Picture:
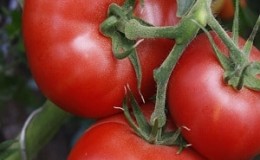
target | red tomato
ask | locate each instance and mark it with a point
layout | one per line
(72, 62)
(224, 124)
(114, 139)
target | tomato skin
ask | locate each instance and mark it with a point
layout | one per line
(72, 62)
(224, 123)
(113, 138)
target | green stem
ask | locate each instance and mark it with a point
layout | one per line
(235, 28)
(183, 32)
(43, 127)
(235, 53)
(162, 76)
(38, 130)
(249, 43)
(186, 31)
(135, 30)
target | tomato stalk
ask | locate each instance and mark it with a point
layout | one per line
(151, 133)
(124, 29)
(36, 132)
(122, 47)
(183, 33)
(239, 71)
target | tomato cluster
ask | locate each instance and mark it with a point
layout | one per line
(215, 113)
(72, 62)
(113, 138)
(73, 65)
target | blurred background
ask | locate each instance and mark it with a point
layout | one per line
(19, 95)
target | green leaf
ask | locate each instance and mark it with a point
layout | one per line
(4, 145)
(42, 127)
(184, 6)
(9, 149)
(8, 153)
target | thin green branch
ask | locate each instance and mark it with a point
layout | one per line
(249, 43)
(235, 29)
(162, 76)
(235, 52)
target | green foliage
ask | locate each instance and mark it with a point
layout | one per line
(16, 83)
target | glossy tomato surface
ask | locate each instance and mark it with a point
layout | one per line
(72, 62)
(223, 123)
(114, 139)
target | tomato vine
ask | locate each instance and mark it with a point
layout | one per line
(127, 31)
(183, 33)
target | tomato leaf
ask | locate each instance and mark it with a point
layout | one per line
(7, 154)
(37, 131)
(8, 149)
(4, 145)
(184, 6)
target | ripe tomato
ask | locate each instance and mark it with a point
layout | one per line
(113, 138)
(72, 62)
(224, 124)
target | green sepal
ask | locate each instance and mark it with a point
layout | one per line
(151, 133)
(139, 116)
(223, 60)
(249, 43)
(122, 47)
(250, 78)
(155, 134)
(172, 138)
(138, 70)
(129, 119)
(252, 82)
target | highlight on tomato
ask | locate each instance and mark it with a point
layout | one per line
(222, 123)
(72, 61)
